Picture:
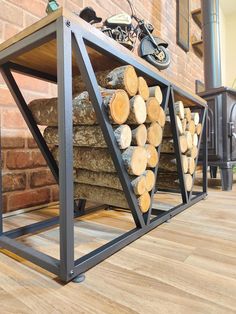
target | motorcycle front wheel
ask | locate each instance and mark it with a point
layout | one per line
(160, 59)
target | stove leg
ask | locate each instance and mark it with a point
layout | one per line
(226, 178)
(213, 171)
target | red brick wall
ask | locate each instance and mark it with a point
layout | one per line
(26, 179)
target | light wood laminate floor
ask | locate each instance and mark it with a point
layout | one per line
(185, 266)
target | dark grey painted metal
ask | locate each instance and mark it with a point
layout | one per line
(30, 72)
(88, 75)
(29, 119)
(27, 252)
(211, 43)
(66, 185)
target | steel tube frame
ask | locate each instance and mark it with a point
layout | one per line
(70, 35)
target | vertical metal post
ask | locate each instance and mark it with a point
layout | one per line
(205, 153)
(66, 194)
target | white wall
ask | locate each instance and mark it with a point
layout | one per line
(228, 48)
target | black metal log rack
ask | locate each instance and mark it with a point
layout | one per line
(54, 49)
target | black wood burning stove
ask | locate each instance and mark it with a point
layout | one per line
(221, 100)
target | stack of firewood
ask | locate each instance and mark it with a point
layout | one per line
(137, 118)
(189, 129)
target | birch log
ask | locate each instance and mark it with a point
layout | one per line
(139, 135)
(143, 88)
(179, 109)
(152, 156)
(123, 77)
(138, 111)
(155, 91)
(45, 111)
(99, 159)
(154, 134)
(169, 180)
(91, 136)
(161, 118)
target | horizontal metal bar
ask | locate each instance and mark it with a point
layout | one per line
(91, 259)
(32, 72)
(21, 231)
(43, 260)
(30, 42)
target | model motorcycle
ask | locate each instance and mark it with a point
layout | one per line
(127, 29)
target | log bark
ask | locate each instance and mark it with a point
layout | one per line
(154, 134)
(192, 152)
(162, 117)
(123, 77)
(155, 91)
(195, 139)
(152, 156)
(195, 117)
(191, 165)
(91, 136)
(143, 89)
(110, 180)
(169, 163)
(167, 131)
(198, 129)
(138, 111)
(109, 196)
(139, 135)
(167, 145)
(179, 109)
(187, 114)
(99, 159)
(153, 109)
(45, 111)
(191, 127)
(170, 180)
(149, 179)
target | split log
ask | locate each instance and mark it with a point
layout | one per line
(149, 179)
(179, 109)
(90, 136)
(45, 111)
(123, 77)
(144, 202)
(191, 165)
(192, 152)
(152, 156)
(195, 139)
(189, 139)
(195, 117)
(95, 159)
(187, 114)
(135, 160)
(139, 135)
(184, 125)
(198, 129)
(143, 89)
(110, 180)
(155, 91)
(109, 196)
(154, 134)
(170, 180)
(191, 127)
(138, 111)
(153, 109)
(169, 163)
(162, 117)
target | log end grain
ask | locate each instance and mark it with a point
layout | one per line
(152, 156)
(119, 106)
(123, 136)
(139, 135)
(135, 160)
(154, 134)
(153, 109)
(150, 179)
(144, 202)
(143, 89)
